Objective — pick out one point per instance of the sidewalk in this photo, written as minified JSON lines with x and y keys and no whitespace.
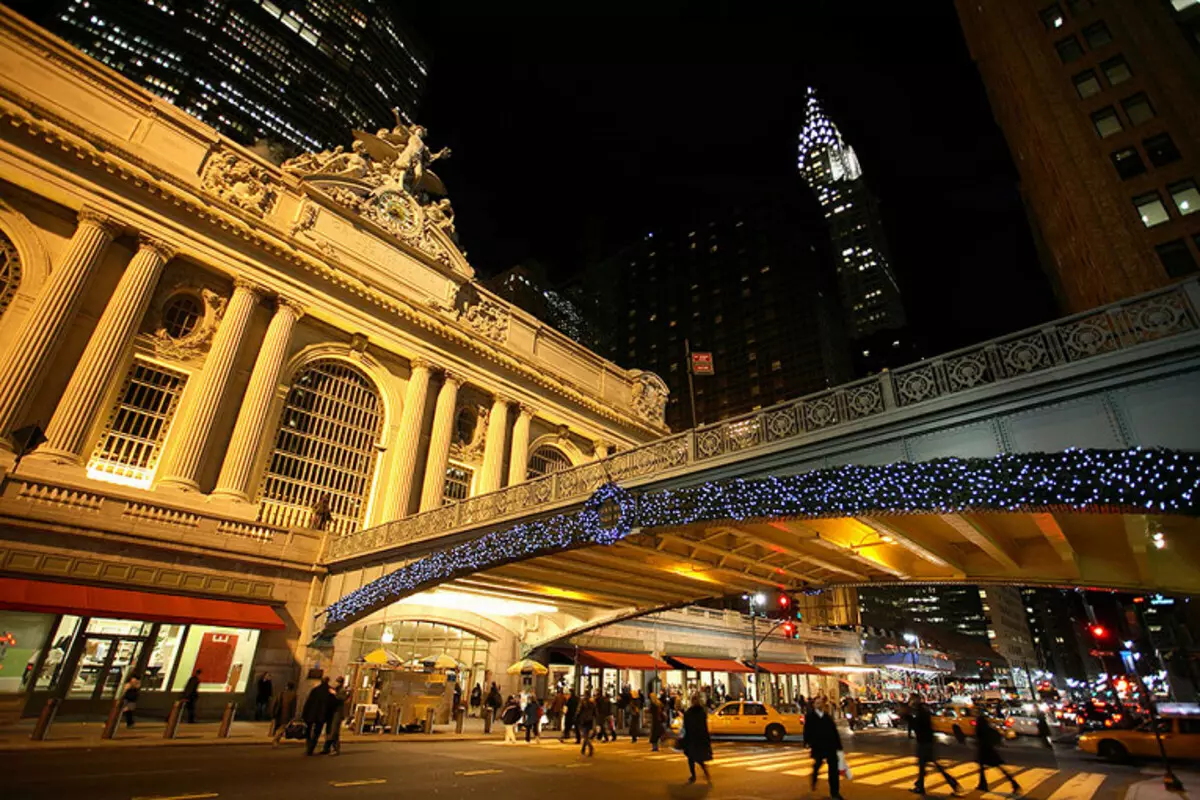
{"x":86,"y":735}
{"x":1152,"y":787}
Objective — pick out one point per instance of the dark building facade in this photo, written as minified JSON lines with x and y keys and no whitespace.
{"x":300,"y":73}
{"x":750,"y":286}
{"x":527,"y":286}
{"x":954,"y":608}
{"x":1058,"y":622}
{"x":1100,"y":103}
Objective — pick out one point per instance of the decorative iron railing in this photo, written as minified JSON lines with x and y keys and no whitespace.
{"x":1121,"y":326}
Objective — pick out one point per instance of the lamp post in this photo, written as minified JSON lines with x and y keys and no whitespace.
{"x":758,"y":599}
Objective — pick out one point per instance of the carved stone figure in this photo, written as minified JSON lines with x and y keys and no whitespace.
{"x":240,"y":183}
{"x":649,"y":398}
{"x":442,"y":215}
{"x":482,"y":314}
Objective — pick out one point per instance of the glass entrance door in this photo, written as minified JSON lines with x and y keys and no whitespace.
{"x":104,"y":663}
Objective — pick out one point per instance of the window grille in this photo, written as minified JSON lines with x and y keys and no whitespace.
{"x":10,"y":271}
{"x":325,"y":448}
{"x":132,"y":441}
{"x":181,"y":315}
{"x":547,"y":459}
{"x":458,"y":483}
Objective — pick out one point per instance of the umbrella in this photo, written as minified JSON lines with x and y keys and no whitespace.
{"x":381,"y":657}
{"x":442,"y":661}
{"x":527,"y":665}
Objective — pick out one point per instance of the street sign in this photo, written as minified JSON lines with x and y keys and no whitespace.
{"x":702,"y":364}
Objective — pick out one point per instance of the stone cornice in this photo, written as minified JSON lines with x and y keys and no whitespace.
{"x":114,"y":157}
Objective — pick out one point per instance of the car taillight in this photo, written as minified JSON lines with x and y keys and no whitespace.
{"x":1008,"y":723}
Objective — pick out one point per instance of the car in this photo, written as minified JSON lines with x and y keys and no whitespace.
{"x":875,"y":714}
{"x":1180,"y":738}
{"x":959,"y":722}
{"x":1023,"y":720}
{"x":749,"y":718}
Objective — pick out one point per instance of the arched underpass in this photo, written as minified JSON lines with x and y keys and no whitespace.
{"x":1125,"y":519}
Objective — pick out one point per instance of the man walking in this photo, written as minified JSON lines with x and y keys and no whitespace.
{"x":264,"y":689}
{"x":191,"y":693}
{"x":283,"y":711}
{"x":315,"y":707}
{"x":335,"y":713}
{"x":821,"y":736}
{"x":604,"y":712}
{"x":987,"y":738}
{"x":570,"y":716}
{"x":583,"y":726}
{"x":922,"y":723}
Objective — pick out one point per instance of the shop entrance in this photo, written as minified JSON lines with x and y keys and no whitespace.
{"x":104,"y":664}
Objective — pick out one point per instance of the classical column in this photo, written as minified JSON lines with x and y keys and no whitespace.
{"x":186,"y":448}
{"x":408,"y":439}
{"x":105,"y":353}
{"x":248,"y":431}
{"x":41,"y":331}
{"x":493,"y":445}
{"x":518,"y":458}
{"x":439,"y":442}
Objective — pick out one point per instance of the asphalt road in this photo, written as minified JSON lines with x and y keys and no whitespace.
{"x":620,"y":771}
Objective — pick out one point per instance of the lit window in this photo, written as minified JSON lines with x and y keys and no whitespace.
{"x":1150,"y":209}
{"x":1116,"y":70}
{"x":1106,"y":122}
{"x":1069,"y":49}
{"x":547,"y":459}
{"x":1161,"y":150}
{"x":1176,"y":258}
{"x":1052,"y":17}
{"x":128,"y":449}
{"x":1186,"y":198}
{"x":1138,"y":109}
{"x":1128,"y":163}
{"x":776,"y":366}
{"x":1087,"y":84}
{"x":458,"y":483}
{"x":1097,"y":35}
{"x":180,"y":315}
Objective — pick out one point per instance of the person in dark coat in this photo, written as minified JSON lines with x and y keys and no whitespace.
{"x":191,"y":693}
{"x":821,"y":736}
{"x":283,"y":711}
{"x":476,"y":699}
{"x":986,"y":739}
{"x":494,"y":699}
{"x":335,"y":714}
{"x":584,"y":722}
{"x":1044,"y":730}
{"x":264,"y":689}
{"x":129,"y":698}
{"x":657,"y":717}
{"x":604,"y":712}
{"x":533,"y":719}
{"x":569,"y":718}
{"x":315,"y":707}
{"x":633,"y":716}
{"x":922,"y":724}
{"x":697,"y":744}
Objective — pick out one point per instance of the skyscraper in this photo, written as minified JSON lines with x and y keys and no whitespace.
{"x":301,"y":73}
{"x":1100,"y":103}
{"x":869,"y":293}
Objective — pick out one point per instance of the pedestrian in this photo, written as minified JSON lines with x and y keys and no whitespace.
{"x":821,"y":736}
{"x":1043,"y":728}
{"x":697,"y":745}
{"x":495,"y":700}
{"x":533,"y":719}
{"x":604,"y":713}
{"x":191,"y":693}
{"x":987,"y":738}
{"x":585,"y":720}
{"x":510,"y":716}
{"x":315,"y":706}
{"x":457,"y":701}
{"x":129,"y":698}
{"x":557,"y":707}
{"x":262,"y":696}
{"x":658,"y":722}
{"x":570,"y":715}
{"x":283,"y":711}
{"x":476,"y":700}
{"x":906,"y":713}
{"x":335,"y":714}
{"x":922,"y":725}
{"x":633,"y":715}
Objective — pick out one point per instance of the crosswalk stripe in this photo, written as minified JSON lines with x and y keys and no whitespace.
{"x":934,"y":779}
{"x":778,"y":755}
{"x":1079,"y":787}
{"x":909,"y":770}
{"x":882,"y":765}
{"x":1029,"y":779}
{"x":853,"y":759}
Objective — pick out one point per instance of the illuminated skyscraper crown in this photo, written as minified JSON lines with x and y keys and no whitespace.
{"x":820,"y":137}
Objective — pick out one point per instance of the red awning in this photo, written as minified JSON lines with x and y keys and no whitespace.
{"x":17,"y":594}
{"x":710,"y":664}
{"x":604,"y":658}
{"x":779,"y":668}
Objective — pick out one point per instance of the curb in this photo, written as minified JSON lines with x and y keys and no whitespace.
{"x":256,"y":742}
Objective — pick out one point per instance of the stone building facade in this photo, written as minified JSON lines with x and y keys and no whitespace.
{"x":212,"y":365}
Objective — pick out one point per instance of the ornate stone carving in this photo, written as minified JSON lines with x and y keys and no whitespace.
{"x":240,"y":183}
{"x":306,"y":217}
{"x":165,"y":250}
{"x":470,"y":452}
{"x":108,"y":224}
{"x":649,"y":398}
{"x":198,"y":340}
{"x":482,"y":314}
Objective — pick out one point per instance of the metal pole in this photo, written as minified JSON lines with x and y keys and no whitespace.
{"x":687,"y":359}
{"x":1170,"y":779}
{"x":754,"y":645}
{"x":226,"y":721}
{"x":173,"y":717}
{"x":114,"y":716}
{"x":42,"y":729}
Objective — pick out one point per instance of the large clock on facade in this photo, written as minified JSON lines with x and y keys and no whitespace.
{"x":398,"y":212}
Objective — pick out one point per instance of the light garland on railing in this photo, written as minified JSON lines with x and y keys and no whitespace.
{"x":1132,"y":481}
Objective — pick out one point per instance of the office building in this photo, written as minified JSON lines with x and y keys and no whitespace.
{"x":1056,"y":622}
{"x":1100,"y":103}
{"x":749,"y":286}
{"x":1008,"y":631}
{"x":527,"y":286}
{"x":297,"y":73}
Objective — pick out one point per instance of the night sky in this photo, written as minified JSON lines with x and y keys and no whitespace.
{"x":573,"y":135}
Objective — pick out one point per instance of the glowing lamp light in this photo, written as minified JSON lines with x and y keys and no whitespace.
{"x":760,"y":599}
{"x":388,"y":636}
{"x":1099,"y":631}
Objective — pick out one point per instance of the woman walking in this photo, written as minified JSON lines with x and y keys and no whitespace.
{"x":987,"y":739}
{"x":697,"y":745}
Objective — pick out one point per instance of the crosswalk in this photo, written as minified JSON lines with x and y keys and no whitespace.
{"x":870,"y":769}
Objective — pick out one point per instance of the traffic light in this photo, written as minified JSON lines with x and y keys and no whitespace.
{"x":784,"y":600}
{"x":1099,"y":631}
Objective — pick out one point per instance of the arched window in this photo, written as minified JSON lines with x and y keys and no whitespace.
{"x":10,"y":271}
{"x":547,"y":459}
{"x":325,"y":448}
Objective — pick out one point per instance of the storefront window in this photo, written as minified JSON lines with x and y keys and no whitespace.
{"x":162,"y":657}
{"x":222,"y":655}
{"x":60,"y":645}
{"x":118,"y":627}
{"x":22,"y":636}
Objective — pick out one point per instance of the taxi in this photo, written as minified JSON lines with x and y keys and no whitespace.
{"x":1180,"y":738}
{"x":749,"y":718}
{"x":959,"y":722}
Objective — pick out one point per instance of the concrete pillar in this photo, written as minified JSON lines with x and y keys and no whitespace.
{"x":66,"y":436}
{"x":518,"y":459}
{"x":493,"y":445}
{"x":439,"y":442}
{"x":185,"y":451}
{"x":41,"y":331}
{"x":408,"y":440}
{"x":234,"y":481}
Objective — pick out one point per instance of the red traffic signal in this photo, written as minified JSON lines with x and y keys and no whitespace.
{"x":1099,"y":631}
{"x":784,"y":601}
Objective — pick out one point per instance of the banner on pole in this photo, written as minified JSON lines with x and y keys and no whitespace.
{"x":702,"y":364}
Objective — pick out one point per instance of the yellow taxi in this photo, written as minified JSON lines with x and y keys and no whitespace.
{"x":959,"y":721}
{"x":749,"y":718}
{"x":1180,"y":738}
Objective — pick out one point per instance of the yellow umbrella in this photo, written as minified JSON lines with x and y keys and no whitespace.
{"x":527,"y":665}
{"x":442,"y":661}
{"x":381,"y":657}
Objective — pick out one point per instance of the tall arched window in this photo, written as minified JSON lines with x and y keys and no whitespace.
{"x":325,"y":448}
{"x":10,"y":271}
{"x":547,"y":459}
